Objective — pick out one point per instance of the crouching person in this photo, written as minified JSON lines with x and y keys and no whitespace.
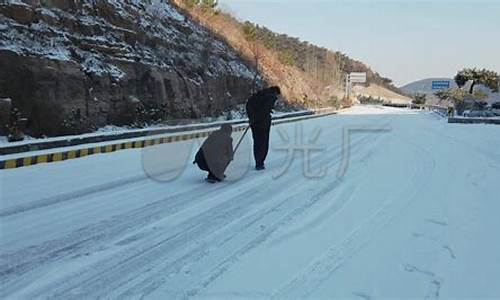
{"x":216,"y":153}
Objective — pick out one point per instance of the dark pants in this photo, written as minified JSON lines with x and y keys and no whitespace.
{"x":260,"y":144}
{"x":202,"y":164}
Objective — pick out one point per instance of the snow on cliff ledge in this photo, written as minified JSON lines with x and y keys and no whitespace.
{"x":96,"y":33}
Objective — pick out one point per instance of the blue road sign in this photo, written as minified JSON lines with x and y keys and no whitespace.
{"x":440,"y":84}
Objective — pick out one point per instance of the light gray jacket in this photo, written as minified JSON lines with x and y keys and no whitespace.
{"x":218,"y":151}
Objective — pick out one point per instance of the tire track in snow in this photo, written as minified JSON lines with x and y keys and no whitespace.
{"x":306,"y":282}
{"x":336,"y":206}
{"x":71,"y":196}
{"x":342,"y":200}
{"x":94,"y":236}
{"x":260,"y":239}
{"x":461,"y":142}
{"x":146,"y":238}
{"x":193,"y":256}
{"x":189,"y":229}
{"x":105,"y":275}
{"x":89,"y":238}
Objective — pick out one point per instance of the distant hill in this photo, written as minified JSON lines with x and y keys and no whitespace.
{"x":424,"y":86}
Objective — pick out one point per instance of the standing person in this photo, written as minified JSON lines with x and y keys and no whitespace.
{"x":450,"y":111}
{"x":259,"y":108}
{"x":216,"y":153}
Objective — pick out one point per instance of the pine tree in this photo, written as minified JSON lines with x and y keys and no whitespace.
{"x":476,"y":76}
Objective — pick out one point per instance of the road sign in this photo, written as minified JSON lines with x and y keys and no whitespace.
{"x":357,"y":77}
{"x":440,"y":84}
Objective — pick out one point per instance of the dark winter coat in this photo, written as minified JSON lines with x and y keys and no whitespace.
{"x":218,"y":151}
{"x":259,"y":108}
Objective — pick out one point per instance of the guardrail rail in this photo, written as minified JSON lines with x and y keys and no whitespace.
{"x":28,"y":157}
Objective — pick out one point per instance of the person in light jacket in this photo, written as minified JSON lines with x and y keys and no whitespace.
{"x":216,"y":153}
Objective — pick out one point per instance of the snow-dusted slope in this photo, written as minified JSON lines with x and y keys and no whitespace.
{"x":105,"y":27}
{"x":380,"y":92}
{"x":106,"y":57}
{"x":415,"y":215}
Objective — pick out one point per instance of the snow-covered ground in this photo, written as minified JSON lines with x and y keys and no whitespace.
{"x":412,"y":213}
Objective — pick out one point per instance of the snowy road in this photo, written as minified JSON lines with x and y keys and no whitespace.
{"x":415,"y":215}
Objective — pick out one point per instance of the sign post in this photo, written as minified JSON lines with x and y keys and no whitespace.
{"x":354,"y":77}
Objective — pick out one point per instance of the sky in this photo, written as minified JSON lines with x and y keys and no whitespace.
{"x":405,"y":40}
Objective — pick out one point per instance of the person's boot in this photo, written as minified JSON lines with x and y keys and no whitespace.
{"x":260,"y":167}
{"x":212,"y":179}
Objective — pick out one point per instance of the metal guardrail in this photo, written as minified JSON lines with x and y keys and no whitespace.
{"x":436,"y":108}
{"x":439,"y":109}
{"x":474,"y":121}
{"x":75,"y":141}
{"x":28,"y":158}
{"x":443,"y":111}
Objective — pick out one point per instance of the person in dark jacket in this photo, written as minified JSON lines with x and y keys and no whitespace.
{"x":259,"y":109}
{"x":451,"y":111}
{"x":216,"y":153}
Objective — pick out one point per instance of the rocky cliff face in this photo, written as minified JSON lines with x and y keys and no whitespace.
{"x":71,"y":65}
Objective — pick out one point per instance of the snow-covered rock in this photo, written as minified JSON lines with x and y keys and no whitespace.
{"x":92,"y":55}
